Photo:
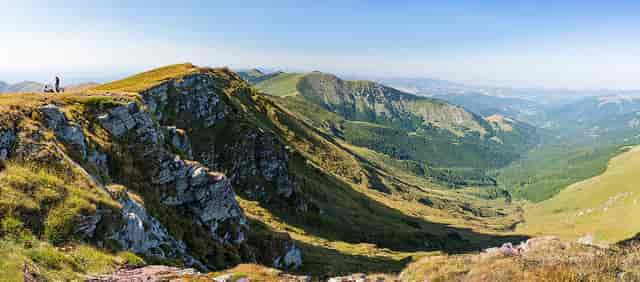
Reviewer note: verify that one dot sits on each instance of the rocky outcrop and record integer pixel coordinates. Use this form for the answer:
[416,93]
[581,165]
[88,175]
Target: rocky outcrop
[182,210]
[64,130]
[179,141]
[181,184]
[260,155]
[143,234]
[7,138]
[190,101]
[254,160]
[291,259]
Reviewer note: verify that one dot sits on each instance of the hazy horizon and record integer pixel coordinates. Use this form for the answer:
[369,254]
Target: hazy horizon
[569,45]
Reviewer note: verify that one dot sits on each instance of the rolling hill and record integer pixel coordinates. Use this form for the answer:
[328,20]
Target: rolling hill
[21,87]
[3,86]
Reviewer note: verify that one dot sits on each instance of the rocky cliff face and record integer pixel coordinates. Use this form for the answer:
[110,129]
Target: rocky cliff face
[223,136]
[142,155]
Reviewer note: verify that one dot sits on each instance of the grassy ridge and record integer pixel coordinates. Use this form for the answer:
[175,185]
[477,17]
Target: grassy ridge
[284,84]
[547,170]
[599,206]
[148,79]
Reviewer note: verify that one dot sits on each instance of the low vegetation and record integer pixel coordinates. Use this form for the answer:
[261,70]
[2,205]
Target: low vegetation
[38,209]
[595,208]
[548,169]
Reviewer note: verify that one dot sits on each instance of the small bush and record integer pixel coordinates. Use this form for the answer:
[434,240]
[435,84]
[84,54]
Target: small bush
[49,257]
[9,226]
[132,260]
[59,225]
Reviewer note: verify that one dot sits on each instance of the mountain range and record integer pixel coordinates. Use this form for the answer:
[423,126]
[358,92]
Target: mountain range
[25,86]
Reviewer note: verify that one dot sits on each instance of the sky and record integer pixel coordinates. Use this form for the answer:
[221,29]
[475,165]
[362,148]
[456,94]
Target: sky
[552,44]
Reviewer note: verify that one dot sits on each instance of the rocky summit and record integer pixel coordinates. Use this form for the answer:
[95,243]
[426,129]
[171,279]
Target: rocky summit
[134,150]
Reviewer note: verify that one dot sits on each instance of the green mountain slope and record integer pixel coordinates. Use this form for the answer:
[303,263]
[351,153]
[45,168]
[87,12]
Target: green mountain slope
[398,124]
[598,207]
[254,76]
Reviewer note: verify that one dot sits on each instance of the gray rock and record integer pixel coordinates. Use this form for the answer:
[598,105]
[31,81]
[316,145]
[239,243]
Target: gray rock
[64,130]
[143,234]
[185,185]
[87,224]
[99,161]
[118,121]
[179,140]
[291,259]
[7,139]
[261,153]
[53,117]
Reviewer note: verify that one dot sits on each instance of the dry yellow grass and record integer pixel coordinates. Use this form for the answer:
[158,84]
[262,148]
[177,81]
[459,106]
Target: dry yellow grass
[148,79]
[546,259]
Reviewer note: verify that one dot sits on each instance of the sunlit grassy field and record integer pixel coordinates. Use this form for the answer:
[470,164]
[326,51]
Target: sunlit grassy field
[603,206]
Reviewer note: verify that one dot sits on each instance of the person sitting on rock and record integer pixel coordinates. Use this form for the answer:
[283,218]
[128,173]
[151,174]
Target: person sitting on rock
[47,88]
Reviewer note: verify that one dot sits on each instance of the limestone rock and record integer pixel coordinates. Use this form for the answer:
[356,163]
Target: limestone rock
[118,121]
[260,154]
[193,96]
[185,185]
[99,161]
[7,139]
[291,259]
[64,130]
[179,140]
[143,234]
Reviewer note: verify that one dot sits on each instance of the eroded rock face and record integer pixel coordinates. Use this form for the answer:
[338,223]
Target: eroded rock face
[291,259]
[182,184]
[64,130]
[179,140]
[192,98]
[259,154]
[7,139]
[143,234]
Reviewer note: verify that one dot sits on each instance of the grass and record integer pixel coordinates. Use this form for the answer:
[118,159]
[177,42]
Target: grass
[47,202]
[38,210]
[56,264]
[364,214]
[284,84]
[149,79]
[545,260]
[598,206]
[324,256]
[548,169]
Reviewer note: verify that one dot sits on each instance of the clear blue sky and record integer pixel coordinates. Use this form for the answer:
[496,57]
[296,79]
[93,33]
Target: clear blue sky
[577,44]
